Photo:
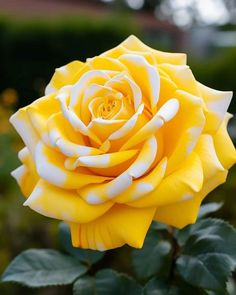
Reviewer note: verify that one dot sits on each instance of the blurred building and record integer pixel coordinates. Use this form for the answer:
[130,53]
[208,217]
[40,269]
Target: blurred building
[163,33]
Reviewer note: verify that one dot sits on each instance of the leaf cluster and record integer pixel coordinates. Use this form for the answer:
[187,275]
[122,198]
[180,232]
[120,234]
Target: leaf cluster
[199,259]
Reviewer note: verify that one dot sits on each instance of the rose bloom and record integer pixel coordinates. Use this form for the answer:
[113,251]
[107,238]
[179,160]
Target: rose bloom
[123,139]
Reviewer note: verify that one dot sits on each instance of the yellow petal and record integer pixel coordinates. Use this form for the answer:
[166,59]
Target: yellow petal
[206,151]
[106,63]
[106,160]
[23,126]
[73,118]
[125,84]
[50,166]
[127,126]
[145,159]
[63,204]
[217,103]
[95,194]
[182,76]
[120,225]
[181,134]
[224,146]
[39,112]
[180,214]
[104,128]
[145,75]
[69,142]
[26,175]
[91,77]
[134,44]
[144,185]
[63,76]
[166,113]
[177,186]
[167,90]
[144,133]
[59,128]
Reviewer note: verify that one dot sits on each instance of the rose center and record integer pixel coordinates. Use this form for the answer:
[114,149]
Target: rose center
[105,107]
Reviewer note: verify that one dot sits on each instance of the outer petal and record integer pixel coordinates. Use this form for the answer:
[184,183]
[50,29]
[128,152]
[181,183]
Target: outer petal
[180,214]
[26,175]
[40,111]
[132,43]
[106,63]
[120,225]
[224,147]
[182,76]
[63,76]
[217,103]
[182,132]
[23,126]
[206,151]
[63,204]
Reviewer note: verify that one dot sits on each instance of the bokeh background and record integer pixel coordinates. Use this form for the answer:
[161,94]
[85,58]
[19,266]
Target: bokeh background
[36,36]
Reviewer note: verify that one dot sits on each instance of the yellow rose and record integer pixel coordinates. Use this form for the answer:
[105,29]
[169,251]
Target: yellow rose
[123,139]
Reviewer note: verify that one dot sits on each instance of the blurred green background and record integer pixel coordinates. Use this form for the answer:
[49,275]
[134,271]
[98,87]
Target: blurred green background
[36,36]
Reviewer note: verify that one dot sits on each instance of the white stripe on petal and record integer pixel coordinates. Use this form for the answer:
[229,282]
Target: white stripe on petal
[169,109]
[71,149]
[136,64]
[75,121]
[145,158]
[144,133]
[106,191]
[128,126]
[19,172]
[47,170]
[119,185]
[106,160]
[83,82]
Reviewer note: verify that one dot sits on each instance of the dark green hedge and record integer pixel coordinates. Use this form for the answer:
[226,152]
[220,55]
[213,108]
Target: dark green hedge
[30,50]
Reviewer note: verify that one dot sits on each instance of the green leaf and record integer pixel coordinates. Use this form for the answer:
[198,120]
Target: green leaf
[158,226]
[84,286]
[84,255]
[209,208]
[209,271]
[209,255]
[153,258]
[107,282]
[44,267]
[158,287]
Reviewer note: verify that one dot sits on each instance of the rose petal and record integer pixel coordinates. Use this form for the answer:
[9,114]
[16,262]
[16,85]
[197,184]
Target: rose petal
[187,180]
[145,75]
[63,76]
[224,146]
[120,225]
[50,166]
[62,204]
